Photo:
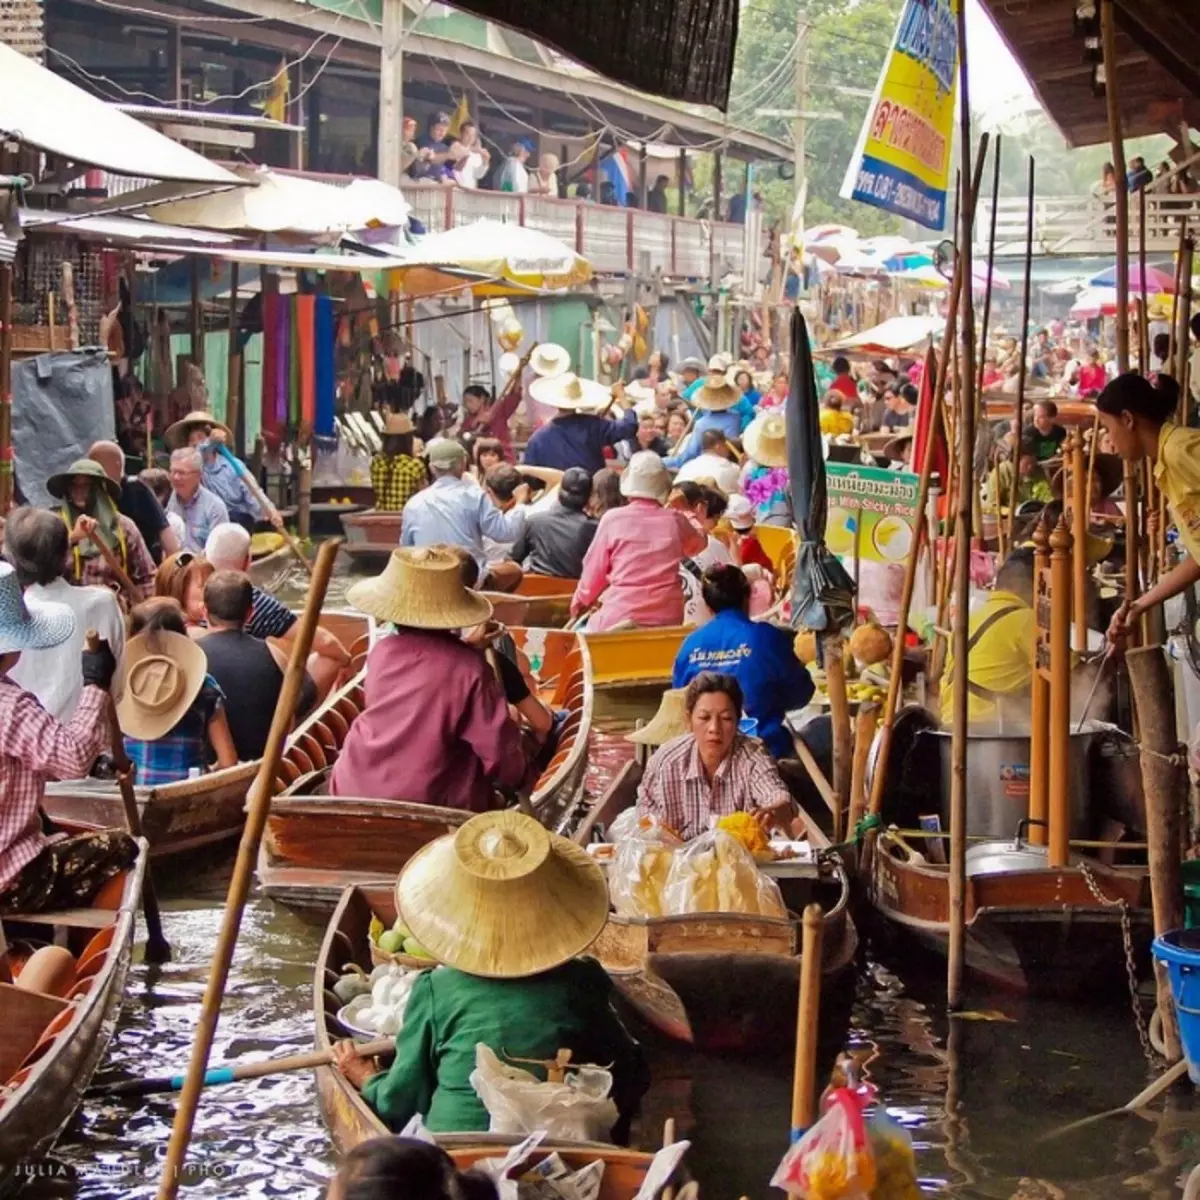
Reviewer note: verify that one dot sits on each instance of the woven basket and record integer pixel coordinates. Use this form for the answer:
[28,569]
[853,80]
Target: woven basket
[381,958]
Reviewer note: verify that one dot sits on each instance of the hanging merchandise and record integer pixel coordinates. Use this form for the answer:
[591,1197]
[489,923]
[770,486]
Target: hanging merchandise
[505,325]
[298,364]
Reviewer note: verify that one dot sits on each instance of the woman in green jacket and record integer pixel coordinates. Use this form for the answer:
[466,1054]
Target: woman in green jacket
[507,907]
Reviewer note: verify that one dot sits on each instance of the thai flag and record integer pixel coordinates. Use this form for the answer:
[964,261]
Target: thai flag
[617,170]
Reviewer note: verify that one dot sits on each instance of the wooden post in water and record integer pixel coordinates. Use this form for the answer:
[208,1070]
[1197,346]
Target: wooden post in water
[839,718]
[1060,694]
[1080,511]
[808,1014]
[1039,699]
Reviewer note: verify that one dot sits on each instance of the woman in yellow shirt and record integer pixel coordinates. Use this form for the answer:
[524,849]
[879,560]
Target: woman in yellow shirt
[1135,413]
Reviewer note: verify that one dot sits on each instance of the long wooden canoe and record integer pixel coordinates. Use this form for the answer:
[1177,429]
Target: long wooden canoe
[540,601]
[349,1118]
[635,657]
[193,813]
[315,845]
[1041,932]
[51,1047]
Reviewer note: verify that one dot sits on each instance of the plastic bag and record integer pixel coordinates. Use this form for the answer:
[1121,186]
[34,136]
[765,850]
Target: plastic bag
[639,870]
[634,824]
[895,1163]
[716,873]
[577,1110]
[833,1160]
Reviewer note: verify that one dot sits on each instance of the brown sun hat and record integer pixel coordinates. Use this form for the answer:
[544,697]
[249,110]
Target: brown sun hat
[765,440]
[669,722]
[422,587]
[176,435]
[716,393]
[160,676]
[397,423]
[60,483]
[503,897]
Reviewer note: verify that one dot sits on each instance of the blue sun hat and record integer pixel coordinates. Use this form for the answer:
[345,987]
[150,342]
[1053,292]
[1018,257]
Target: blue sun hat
[36,626]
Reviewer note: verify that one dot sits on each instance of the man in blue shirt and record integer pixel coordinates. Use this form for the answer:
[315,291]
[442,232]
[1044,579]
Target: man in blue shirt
[716,401]
[758,655]
[576,437]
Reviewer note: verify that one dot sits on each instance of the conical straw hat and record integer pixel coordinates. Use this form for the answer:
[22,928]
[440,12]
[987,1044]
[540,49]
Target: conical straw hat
[716,394]
[569,392]
[421,587]
[766,440]
[503,897]
[669,722]
[176,435]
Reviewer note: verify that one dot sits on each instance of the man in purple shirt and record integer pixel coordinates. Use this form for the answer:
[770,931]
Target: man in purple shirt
[436,727]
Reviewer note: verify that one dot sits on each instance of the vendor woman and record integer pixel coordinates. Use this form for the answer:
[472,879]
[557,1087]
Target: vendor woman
[507,907]
[1135,415]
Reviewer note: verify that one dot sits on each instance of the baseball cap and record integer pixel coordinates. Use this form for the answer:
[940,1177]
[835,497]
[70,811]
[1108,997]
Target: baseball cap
[445,452]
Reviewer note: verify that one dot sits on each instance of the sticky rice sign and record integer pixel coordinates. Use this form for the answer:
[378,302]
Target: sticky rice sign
[872,513]
[902,160]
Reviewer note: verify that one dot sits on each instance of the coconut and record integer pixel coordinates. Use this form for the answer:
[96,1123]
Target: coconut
[805,646]
[871,643]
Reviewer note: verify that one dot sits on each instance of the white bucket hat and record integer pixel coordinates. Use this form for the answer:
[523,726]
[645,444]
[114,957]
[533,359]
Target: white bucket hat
[739,512]
[550,359]
[645,478]
[36,625]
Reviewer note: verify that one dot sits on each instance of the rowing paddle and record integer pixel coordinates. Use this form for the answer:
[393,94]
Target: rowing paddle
[1144,1097]
[151,1084]
[158,949]
[130,588]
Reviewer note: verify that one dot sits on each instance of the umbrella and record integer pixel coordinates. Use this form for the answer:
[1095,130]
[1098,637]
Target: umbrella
[1157,280]
[822,592]
[1097,302]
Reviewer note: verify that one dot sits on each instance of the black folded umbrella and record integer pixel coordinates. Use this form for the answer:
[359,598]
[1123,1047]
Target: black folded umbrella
[822,591]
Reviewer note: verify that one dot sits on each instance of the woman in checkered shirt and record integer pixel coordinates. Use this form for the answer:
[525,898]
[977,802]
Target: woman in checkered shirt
[713,769]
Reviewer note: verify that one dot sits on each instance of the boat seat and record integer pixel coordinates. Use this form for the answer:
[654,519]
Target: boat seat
[75,918]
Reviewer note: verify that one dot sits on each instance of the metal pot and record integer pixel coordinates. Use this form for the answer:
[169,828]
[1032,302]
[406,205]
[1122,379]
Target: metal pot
[1004,857]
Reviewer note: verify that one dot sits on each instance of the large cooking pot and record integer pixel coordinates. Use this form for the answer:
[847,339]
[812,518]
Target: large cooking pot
[1003,857]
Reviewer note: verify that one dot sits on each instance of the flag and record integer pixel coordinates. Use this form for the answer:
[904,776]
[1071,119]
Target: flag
[461,114]
[926,405]
[615,169]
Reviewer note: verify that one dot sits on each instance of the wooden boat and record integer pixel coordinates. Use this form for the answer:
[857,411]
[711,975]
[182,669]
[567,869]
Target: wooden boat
[541,601]
[52,1047]
[1038,931]
[193,813]
[348,1117]
[314,845]
[371,536]
[635,657]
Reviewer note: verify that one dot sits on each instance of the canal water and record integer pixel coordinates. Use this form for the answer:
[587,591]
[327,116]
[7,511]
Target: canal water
[977,1095]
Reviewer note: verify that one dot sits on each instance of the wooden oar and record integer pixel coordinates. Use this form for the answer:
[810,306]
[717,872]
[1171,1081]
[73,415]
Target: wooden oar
[130,588]
[158,949]
[231,1073]
[1145,1096]
[259,804]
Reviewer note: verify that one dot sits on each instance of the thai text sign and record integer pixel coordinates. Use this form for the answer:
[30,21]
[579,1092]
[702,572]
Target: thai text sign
[902,160]
[872,512]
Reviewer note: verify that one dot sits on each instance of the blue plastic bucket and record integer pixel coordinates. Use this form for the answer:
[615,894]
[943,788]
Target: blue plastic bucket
[1180,950]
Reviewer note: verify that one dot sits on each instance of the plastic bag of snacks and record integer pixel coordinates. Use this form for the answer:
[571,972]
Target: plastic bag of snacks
[833,1160]
[716,873]
[639,871]
[895,1163]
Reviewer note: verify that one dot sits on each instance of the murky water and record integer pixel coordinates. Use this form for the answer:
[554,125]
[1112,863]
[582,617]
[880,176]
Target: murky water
[975,1108]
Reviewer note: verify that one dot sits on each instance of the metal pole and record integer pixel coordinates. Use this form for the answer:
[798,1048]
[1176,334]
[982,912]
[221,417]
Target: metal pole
[1023,365]
[391,93]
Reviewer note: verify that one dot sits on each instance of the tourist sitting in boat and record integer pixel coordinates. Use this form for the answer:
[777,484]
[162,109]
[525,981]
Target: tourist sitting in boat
[705,506]
[713,769]
[89,512]
[557,538]
[199,509]
[141,505]
[455,512]
[247,670]
[715,400]
[1000,640]
[171,710]
[715,461]
[577,436]
[606,492]
[40,872]
[396,472]
[758,655]
[392,1168]
[228,549]
[1137,417]
[436,727]
[36,545]
[159,482]
[182,578]
[506,907]
[632,566]
[765,480]
[487,453]
[747,547]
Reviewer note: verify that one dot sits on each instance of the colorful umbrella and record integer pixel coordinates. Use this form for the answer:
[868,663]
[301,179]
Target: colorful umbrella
[1157,279]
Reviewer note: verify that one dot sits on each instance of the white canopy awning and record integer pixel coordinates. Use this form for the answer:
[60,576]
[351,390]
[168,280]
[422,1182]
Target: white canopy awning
[44,110]
[897,335]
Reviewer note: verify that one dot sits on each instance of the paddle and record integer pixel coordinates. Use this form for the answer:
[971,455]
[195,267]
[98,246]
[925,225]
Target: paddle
[158,949]
[127,585]
[1145,1096]
[233,1072]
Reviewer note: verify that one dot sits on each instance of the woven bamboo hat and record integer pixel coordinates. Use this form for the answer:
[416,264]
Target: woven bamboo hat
[669,722]
[550,359]
[766,440]
[59,484]
[716,393]
[422,587]
[569,392]
[176,435]
[502,897]
[161,674]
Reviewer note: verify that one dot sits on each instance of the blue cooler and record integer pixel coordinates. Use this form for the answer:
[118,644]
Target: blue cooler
[1180,950]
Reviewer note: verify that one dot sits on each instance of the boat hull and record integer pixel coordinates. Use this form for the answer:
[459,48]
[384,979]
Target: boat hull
[635,657]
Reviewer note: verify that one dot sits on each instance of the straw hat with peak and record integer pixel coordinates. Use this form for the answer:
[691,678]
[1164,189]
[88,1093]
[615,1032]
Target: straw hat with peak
[160,676]
[569,393]
[550,359]
[59,485]
[397,424]
[176,436]
[716,393]
[502,897]
[766,440]
[422,588]
[669,722]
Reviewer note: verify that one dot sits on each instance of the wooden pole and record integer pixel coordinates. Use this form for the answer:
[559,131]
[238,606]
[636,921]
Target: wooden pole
[910,565]
[233,398]
[1060,693]
[131,589]
[839,716]
[1183,303]
[1023,365]
[1164,782]
[6,451]
[1178,331]
[1039,699]
[68,294]
[865,721]
[1144,344]
[158,949]
[1080,520]
[258,803]
[808,1011]
[991,262]
[196,318]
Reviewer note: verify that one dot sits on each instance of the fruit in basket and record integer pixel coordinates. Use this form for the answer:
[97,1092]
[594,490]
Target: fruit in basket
[390,942]
[871,643]
[414,949]
[805,646]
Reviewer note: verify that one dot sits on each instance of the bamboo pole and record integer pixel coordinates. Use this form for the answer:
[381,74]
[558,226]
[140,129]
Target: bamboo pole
[962,563]
[1178,331]
[976,501]
[808,1011]
[6,452]
[1164,781]
[1039,699]
[1183,304]
[1060,693]
[1144,345]
[1023,365]
[233,365]
[865,721]
[839,717]
[1080,520]
[910,566]
[131,589]
[258,803]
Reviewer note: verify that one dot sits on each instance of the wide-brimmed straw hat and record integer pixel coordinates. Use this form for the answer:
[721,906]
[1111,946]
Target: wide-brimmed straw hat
[503,897]
[645,478]
[33,625]
[671,720]
[716,393]
[569,392]
[1109,470]
[766,440]
[894,448]
[161,674]
[59,484]
[177,435]
[550,359]
[422,587]
[397,423]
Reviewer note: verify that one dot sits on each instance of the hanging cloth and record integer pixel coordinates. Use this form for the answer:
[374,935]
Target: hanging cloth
[270,337]
[293,414]
[283,335]
[324,344]
[306,353]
